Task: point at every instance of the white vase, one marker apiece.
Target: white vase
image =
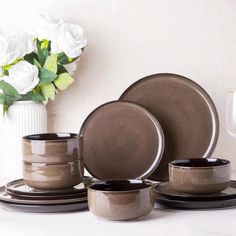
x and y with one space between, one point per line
22 118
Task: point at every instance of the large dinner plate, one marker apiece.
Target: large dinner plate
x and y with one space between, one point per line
186 113
122 140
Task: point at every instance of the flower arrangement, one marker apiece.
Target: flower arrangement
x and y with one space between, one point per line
36 66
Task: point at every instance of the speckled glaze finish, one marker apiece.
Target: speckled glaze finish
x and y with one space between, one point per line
51 147
52 160
121 200
52 176
199 176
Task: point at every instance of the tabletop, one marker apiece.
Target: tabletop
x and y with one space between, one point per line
160 221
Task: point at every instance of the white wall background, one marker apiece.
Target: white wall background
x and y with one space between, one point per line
129 39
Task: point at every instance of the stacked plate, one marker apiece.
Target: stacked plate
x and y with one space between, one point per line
169 197
160 118
18 196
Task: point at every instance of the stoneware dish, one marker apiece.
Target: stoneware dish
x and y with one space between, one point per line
52 160
18 187
200 175
121 140
164 189
52 176
186 113
121 199
51 147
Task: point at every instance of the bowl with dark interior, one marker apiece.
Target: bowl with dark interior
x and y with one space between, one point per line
121 199
52 160
199 175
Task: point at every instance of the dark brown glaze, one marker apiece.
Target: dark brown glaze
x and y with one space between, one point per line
200 176
51 147
121 200
52 176
122 140
186 113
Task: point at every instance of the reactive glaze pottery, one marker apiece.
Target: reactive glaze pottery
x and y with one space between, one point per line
186 113
51 147
199 176
122 140
78 206
205 204
19 188
165 189
121 199
52 160
52 176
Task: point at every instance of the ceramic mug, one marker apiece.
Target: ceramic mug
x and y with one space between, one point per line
52 160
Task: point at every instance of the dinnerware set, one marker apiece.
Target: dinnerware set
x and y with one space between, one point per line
163 128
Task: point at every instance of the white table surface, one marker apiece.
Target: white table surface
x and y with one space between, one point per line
160 221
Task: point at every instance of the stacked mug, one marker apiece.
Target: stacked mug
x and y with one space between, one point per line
52 160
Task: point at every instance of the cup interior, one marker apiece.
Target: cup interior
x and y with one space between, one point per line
119 185
200 162
50 136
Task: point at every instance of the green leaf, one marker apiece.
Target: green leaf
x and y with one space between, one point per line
31 57
46 76
1 99
63 81
64 59
32 96
51 63
48 91
9 90
7 100
36 63
43 51
61 69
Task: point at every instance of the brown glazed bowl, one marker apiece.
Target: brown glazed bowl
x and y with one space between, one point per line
52 160
51 147
52 176
121 199
200 175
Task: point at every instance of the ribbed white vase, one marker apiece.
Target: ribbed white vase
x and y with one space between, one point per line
22 118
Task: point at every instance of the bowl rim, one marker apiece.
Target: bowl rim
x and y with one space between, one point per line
64 137
177 163
145 184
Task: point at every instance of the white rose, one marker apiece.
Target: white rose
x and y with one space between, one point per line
71 40
23 76
47 27
15 46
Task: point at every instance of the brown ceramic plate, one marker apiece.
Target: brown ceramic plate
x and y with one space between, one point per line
122 140
167 191
5 197
19 187
197 205
46 208
48 197
186 113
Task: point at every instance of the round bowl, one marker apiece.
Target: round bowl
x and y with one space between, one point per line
121 199
200 175
52 176
51 147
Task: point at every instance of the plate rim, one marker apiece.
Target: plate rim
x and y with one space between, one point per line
161 137
39 202
207 197
38 193
210 104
